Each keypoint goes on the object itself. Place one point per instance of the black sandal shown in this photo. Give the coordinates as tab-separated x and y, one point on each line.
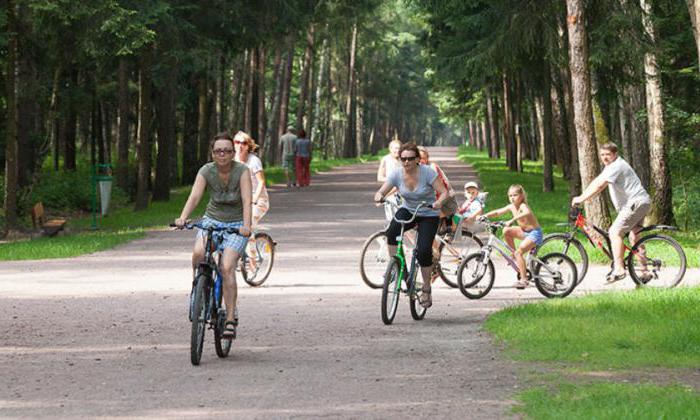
229	329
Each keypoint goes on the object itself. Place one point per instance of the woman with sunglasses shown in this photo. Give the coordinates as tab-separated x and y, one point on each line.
416	183
245	147
229	186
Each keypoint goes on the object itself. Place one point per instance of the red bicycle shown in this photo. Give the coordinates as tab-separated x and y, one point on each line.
656	260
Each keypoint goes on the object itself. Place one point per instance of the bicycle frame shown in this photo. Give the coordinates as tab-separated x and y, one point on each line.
401	255
506	251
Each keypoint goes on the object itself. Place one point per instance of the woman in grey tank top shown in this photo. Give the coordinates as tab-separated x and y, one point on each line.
230	205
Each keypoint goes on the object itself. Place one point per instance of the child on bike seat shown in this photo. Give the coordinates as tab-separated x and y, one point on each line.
528	229
472	207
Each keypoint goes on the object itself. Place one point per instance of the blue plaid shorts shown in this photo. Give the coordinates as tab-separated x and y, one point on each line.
230	240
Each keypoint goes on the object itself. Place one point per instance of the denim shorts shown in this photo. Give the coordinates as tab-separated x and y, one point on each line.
230	240
535	235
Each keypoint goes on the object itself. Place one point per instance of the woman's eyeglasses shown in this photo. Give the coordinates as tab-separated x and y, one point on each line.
222	152
240	142
407	159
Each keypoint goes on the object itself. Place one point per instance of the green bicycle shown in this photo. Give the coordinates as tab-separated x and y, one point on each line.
398	273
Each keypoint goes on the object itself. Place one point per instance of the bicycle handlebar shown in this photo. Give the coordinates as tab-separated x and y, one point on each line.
415	212
210	228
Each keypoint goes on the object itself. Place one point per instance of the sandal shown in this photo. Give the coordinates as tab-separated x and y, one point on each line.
520	284
612	278
425	299
230	330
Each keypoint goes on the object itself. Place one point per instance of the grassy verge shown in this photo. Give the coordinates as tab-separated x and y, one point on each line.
642	330
123	224
551	208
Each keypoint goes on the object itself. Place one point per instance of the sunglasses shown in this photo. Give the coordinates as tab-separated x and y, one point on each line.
222	152
240	142
408	159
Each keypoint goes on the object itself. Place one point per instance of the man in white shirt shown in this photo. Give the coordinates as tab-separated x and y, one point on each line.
629	197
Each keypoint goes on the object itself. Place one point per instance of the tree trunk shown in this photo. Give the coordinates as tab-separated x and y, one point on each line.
472	134
508	126
203	119
273	117
639	141
237	87
661	203
304	80
492	114
625	137
70	126
349	149
166	114
561	137
546	133
596	208
11	169
260	78
123	125
189	134
286	86
144	148
694	9
315	114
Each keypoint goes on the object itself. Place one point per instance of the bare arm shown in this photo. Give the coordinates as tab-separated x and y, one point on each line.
246	197
381	172
498	212
594	188
260	176
441	191
198	188
382	191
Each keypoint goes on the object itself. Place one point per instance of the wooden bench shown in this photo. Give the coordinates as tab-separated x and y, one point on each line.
50	227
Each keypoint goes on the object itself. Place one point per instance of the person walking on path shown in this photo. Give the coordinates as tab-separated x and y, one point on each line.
630	199
416	183
387	165
303	159
288	142
245	147
230	195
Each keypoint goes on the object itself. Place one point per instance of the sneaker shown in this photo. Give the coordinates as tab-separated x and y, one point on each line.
520	284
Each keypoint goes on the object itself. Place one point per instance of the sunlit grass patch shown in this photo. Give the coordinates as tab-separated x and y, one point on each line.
67	245
610	401
641	328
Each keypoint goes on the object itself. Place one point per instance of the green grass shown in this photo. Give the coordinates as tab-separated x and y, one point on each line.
550	208
641	328
610	401
67	246
123	224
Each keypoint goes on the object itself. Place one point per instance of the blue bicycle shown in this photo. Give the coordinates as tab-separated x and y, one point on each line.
205	299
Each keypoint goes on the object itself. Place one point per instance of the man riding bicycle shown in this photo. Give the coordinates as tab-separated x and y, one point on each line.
629	197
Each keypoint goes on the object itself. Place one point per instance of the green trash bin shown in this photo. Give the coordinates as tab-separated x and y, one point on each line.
102	178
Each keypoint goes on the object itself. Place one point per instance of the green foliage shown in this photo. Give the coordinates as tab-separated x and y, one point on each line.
641	328
610	401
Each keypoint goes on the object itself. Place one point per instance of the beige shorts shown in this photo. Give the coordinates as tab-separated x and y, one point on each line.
630	216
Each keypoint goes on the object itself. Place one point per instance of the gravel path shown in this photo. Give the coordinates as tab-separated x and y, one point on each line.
107	335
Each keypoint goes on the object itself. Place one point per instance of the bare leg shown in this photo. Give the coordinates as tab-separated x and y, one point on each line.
525	246
510	234
197	254
618	248
228	272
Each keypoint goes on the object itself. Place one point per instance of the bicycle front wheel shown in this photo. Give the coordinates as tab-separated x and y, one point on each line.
199	318
417	311
571	247
391	291
260	255
452	254
475	277
373	260
657	261
556	276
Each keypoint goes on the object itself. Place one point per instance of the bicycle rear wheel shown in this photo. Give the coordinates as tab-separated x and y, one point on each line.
559	278
571	247
452	254
260	255
657	261
199	318
475	277
373	260
391	291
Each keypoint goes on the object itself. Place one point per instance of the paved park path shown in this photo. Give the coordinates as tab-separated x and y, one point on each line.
107	334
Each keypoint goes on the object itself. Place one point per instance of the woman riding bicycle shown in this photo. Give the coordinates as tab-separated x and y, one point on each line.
245	147
229	186
417	184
